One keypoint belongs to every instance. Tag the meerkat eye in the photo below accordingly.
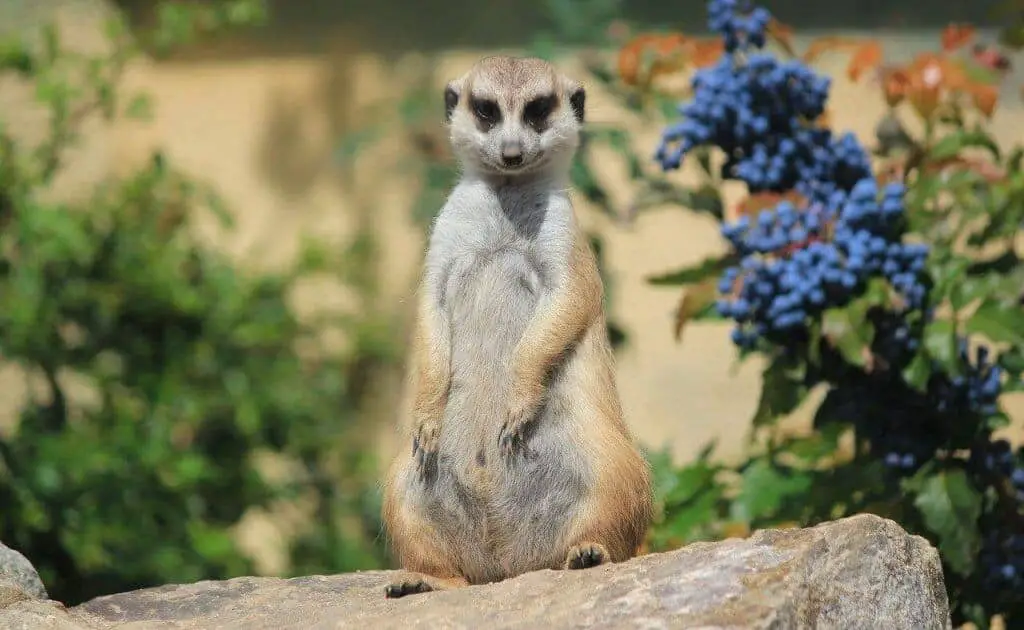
(537, 111)
(486, 110)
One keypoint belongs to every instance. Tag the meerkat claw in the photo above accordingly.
(586, 556)
(424, 451)
(408, 587)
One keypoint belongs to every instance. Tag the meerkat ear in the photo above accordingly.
(451, 99)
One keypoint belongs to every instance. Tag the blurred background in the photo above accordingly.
(208, 320)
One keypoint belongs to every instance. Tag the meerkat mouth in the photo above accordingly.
(526, 166)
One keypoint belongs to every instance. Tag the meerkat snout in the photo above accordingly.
(510, 116)
(511, 153)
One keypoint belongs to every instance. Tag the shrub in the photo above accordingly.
(160, 371)
(894, 289)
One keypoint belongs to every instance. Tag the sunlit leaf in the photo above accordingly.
(710, 267)
(697, 299)
(998, 322)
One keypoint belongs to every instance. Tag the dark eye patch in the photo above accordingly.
(486, 111)
(538, 110)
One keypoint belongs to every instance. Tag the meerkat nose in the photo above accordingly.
(511, 153)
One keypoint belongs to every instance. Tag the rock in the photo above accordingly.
(858, 572)
(17, 572)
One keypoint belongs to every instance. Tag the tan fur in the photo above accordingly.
(451, 507)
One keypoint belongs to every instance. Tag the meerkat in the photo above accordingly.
(519, 456)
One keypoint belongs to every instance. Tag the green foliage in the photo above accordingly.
(161, 376)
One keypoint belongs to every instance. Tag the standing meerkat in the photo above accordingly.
(520, 458)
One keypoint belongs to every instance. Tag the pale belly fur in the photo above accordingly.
(509, 517)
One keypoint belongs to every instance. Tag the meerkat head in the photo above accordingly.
(511, 116)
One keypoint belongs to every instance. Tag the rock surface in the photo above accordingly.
(859, 572)
(17, 572)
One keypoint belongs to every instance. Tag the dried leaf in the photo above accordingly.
(956, 35)
(821, 45)
(696, 298)
(652, 54)
(782, 34)
(757, 202)
(866, 57)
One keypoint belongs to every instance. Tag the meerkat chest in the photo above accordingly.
(490, 247)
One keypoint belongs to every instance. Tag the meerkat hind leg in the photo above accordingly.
(586, 555)
(415, 583)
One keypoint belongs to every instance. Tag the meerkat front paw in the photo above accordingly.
(511, 439)
(586, 555)
(424, 448)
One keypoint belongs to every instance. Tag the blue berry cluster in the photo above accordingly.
(975, 391)
(759, 111)
(799, 262)
(1002, 556)
(739, 23)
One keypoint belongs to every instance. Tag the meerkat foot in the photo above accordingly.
(586, 555)
(424, 448)
(414, 584)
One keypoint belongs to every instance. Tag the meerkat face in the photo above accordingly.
(512, 116)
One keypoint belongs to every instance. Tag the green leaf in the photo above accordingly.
(848, 331)
(14, 55)
(764, 490)
(941, 343)
(711, 266)
(817, 445)
(998, 322)
(782, 391)
(951, 145)
(917, 373)
(951, 507)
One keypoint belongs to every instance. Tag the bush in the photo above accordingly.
(892, 286)
(161, 373)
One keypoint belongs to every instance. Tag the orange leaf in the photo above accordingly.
(821, 45)
(629, 59)
(664, 53)
(956, 35)
(895, 84)
(924, 98)
(867, 57)
(706, 52)
(985, 98)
